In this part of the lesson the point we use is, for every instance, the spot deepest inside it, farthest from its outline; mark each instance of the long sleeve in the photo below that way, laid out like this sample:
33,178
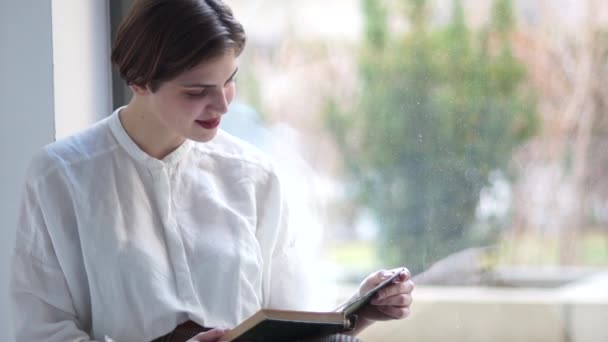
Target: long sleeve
288,285
111,241
42,305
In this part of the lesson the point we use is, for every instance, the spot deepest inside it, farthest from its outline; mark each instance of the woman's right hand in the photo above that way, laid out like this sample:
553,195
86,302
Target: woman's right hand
213,335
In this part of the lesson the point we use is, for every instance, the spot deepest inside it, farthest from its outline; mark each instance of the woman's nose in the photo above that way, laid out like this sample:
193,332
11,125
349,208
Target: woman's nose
221,102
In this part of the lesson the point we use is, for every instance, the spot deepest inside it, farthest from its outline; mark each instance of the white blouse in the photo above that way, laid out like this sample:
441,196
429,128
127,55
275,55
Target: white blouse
111,241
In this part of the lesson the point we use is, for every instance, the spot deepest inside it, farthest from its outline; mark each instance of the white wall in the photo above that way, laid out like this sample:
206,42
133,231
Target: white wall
82,74
26,114
45,92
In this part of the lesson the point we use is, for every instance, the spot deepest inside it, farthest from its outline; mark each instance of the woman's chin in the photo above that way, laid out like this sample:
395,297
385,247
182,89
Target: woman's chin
205,136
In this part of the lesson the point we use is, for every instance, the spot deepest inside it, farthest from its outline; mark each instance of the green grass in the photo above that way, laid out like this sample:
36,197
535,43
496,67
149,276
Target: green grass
594,249
591,249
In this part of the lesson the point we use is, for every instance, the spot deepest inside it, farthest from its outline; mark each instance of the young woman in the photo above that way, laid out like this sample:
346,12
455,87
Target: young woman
154,224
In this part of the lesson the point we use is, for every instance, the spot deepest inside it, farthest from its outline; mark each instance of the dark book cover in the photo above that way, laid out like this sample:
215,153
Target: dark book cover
269,325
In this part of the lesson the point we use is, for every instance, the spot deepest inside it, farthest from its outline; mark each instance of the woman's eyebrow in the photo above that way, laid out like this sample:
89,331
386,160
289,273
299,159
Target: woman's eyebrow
198,85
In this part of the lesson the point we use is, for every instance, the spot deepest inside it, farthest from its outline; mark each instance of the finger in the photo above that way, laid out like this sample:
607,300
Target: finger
381,275
374,279
378,277
213,335
395,289
403,271
402,300
404,275
394,312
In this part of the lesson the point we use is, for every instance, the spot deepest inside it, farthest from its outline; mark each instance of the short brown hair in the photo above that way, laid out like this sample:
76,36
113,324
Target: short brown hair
159,39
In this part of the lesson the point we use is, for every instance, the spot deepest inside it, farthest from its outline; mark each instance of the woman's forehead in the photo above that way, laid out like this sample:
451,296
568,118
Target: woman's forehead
217,68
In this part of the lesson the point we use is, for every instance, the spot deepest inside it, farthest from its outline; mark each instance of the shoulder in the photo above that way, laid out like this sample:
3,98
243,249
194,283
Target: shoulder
64,153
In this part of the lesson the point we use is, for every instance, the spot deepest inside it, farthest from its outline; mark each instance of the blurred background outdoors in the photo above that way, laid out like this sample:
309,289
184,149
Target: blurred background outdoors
420,129
464,139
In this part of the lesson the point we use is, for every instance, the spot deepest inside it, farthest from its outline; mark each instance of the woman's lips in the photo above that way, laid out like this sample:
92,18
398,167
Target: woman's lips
209,124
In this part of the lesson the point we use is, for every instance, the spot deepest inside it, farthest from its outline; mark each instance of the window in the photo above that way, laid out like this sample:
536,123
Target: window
463,139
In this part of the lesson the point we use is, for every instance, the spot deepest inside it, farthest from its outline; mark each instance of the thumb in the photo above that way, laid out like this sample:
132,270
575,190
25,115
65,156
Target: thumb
375,278
213,335
382,275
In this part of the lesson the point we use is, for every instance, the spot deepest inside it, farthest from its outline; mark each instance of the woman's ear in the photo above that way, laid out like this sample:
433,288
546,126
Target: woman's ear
139,90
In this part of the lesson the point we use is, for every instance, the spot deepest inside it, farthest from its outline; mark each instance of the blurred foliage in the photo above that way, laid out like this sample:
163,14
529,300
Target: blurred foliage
357,259
536,249
440,108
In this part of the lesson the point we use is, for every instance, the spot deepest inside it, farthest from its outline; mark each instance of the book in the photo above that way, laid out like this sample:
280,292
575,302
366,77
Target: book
272,325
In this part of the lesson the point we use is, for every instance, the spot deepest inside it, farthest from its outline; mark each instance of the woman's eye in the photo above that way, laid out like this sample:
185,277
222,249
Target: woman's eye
197,94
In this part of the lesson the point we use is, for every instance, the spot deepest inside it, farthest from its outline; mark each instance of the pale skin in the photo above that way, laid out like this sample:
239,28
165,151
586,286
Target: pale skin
190,106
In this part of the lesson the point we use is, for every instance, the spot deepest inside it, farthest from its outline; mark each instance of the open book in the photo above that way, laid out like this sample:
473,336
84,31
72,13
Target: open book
270,325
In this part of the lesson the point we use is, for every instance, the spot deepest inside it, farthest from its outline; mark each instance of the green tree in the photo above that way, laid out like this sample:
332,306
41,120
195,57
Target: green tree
440,108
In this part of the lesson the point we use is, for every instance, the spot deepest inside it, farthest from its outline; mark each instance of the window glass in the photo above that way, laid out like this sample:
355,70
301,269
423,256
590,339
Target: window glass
465,140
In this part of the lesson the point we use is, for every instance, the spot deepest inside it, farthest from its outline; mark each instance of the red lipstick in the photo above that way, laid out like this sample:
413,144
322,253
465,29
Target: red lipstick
209,124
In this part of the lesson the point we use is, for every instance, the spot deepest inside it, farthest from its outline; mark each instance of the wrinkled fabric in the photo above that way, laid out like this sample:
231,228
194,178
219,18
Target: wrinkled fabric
112,242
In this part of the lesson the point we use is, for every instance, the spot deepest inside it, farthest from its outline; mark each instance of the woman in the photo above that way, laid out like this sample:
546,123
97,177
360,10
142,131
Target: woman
153,223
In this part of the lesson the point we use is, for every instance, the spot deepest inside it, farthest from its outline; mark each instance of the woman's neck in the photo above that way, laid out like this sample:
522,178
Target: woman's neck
146,130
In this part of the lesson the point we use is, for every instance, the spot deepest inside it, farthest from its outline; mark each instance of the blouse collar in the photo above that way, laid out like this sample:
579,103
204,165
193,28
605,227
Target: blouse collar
137,153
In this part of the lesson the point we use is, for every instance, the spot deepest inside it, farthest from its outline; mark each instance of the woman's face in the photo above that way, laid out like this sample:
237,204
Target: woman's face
192,104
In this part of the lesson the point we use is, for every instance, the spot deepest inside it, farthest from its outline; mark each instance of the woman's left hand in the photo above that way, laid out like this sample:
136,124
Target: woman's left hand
392,302
214,335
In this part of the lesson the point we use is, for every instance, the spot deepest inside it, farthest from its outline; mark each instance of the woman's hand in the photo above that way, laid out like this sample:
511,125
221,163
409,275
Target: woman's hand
213,335
392,302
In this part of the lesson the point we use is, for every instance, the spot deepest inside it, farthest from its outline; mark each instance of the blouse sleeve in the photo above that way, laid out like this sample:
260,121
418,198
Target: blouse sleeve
42,306
286,279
